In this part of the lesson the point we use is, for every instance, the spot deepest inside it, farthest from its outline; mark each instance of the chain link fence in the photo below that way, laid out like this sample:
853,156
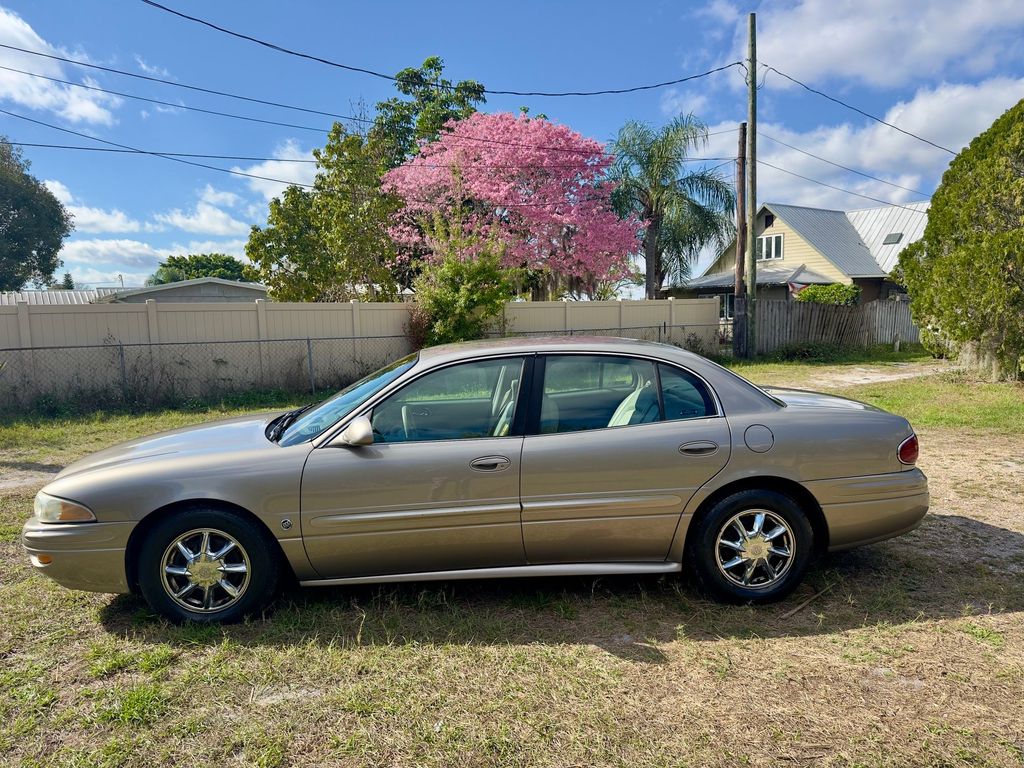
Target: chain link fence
148,374
174,372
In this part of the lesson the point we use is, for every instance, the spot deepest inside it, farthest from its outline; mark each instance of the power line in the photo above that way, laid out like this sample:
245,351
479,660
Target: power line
116,150
844,167
233,172
165,103
382,75
251,158
841,189
198,88
857,110
144,152
252,100
254,159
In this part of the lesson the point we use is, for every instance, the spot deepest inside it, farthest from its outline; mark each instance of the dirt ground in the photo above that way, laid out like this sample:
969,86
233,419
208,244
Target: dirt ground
851,375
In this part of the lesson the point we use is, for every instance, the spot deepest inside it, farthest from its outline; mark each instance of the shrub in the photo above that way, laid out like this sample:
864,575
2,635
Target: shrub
965,275
835,293
463,289
809,350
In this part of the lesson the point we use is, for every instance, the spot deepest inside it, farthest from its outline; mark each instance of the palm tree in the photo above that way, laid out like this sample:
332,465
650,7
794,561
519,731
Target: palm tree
684,210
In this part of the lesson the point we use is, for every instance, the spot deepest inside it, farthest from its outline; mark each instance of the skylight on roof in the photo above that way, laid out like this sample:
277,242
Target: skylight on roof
892,238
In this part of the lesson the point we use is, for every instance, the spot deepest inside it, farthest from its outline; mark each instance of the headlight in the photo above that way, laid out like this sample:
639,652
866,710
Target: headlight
50,509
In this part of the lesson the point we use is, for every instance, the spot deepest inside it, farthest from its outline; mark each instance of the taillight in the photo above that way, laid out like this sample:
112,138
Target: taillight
908,450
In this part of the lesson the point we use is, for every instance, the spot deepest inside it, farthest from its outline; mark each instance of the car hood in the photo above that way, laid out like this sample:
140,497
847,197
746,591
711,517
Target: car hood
801,398
215,437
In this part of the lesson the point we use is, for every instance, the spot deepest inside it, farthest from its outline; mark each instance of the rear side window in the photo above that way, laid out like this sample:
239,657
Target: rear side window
584,392
684,395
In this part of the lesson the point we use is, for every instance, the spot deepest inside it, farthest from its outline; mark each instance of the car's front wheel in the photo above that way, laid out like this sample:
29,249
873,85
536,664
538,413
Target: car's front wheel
752,546
207,565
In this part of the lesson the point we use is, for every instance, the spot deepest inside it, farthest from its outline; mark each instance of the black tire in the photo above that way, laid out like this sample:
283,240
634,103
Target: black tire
253,548
703,548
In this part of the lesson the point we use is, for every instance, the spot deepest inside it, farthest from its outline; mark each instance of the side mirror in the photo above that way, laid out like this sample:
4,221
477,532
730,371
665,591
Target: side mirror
358,432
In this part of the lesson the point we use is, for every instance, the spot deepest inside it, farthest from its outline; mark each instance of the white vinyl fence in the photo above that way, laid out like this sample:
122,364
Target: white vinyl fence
157,352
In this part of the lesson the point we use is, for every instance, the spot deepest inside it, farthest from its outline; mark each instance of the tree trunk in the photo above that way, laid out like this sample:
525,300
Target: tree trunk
651,238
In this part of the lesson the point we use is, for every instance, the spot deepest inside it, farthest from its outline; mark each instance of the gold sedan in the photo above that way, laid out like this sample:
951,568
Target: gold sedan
516,457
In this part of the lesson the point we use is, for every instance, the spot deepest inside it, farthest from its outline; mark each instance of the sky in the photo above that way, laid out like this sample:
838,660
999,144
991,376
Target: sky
944,70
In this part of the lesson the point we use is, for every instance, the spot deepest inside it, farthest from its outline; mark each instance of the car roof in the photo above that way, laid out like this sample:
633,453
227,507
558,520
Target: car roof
734,392
529,344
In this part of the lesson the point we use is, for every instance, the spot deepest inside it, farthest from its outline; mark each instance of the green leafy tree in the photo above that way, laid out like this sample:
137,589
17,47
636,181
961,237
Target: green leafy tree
684,209
289,254
68,283
330,243
174,269
464,289
966,275
33,225
432,101
834,293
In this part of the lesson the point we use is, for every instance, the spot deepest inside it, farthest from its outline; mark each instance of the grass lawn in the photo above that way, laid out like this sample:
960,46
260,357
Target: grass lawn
913,653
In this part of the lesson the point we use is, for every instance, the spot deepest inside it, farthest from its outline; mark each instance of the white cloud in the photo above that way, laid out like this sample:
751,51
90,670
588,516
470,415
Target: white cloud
151,69
89,219
205,219
110,252
219,196
99,261
235,247
881,42
73,104
59,190
678,102
286,172
98,220
949,114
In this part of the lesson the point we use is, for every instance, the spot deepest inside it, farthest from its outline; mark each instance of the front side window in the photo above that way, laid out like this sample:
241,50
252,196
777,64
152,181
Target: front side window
464,401
585,392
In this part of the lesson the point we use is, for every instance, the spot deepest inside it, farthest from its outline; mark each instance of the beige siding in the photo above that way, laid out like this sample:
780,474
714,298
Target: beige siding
795,251
726,262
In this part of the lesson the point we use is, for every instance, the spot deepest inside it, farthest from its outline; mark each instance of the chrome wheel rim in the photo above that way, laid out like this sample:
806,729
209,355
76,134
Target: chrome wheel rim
755,549
205,570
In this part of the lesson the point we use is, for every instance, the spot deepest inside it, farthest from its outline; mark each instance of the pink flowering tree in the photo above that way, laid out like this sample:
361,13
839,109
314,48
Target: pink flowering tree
537,187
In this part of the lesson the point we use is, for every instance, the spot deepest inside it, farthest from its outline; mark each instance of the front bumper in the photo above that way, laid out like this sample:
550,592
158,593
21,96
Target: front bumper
863,510
87,556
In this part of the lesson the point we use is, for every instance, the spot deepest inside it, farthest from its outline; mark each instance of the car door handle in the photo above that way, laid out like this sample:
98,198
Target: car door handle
490,463
698,448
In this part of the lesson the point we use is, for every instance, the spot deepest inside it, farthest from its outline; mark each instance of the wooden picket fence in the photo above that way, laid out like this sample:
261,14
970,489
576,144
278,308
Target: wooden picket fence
781,323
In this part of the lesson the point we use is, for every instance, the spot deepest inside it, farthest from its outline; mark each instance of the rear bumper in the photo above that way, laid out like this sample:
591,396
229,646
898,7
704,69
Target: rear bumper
863,510
87,556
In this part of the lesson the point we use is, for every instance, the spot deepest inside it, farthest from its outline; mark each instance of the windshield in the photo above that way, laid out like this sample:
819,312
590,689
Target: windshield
317,419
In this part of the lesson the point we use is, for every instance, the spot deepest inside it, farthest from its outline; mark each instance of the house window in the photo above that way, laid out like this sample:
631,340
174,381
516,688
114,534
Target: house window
726,303
892,238
769,247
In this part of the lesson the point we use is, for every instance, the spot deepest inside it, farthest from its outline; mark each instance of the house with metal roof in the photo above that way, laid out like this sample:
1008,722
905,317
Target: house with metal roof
202,289
798,246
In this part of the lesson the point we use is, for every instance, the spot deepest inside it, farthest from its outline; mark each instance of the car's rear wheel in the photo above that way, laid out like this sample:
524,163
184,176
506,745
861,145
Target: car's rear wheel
752,546
207,565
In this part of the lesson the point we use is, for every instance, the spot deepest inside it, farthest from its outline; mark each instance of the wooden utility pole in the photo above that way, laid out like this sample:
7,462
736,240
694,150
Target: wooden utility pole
752,187
739,309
